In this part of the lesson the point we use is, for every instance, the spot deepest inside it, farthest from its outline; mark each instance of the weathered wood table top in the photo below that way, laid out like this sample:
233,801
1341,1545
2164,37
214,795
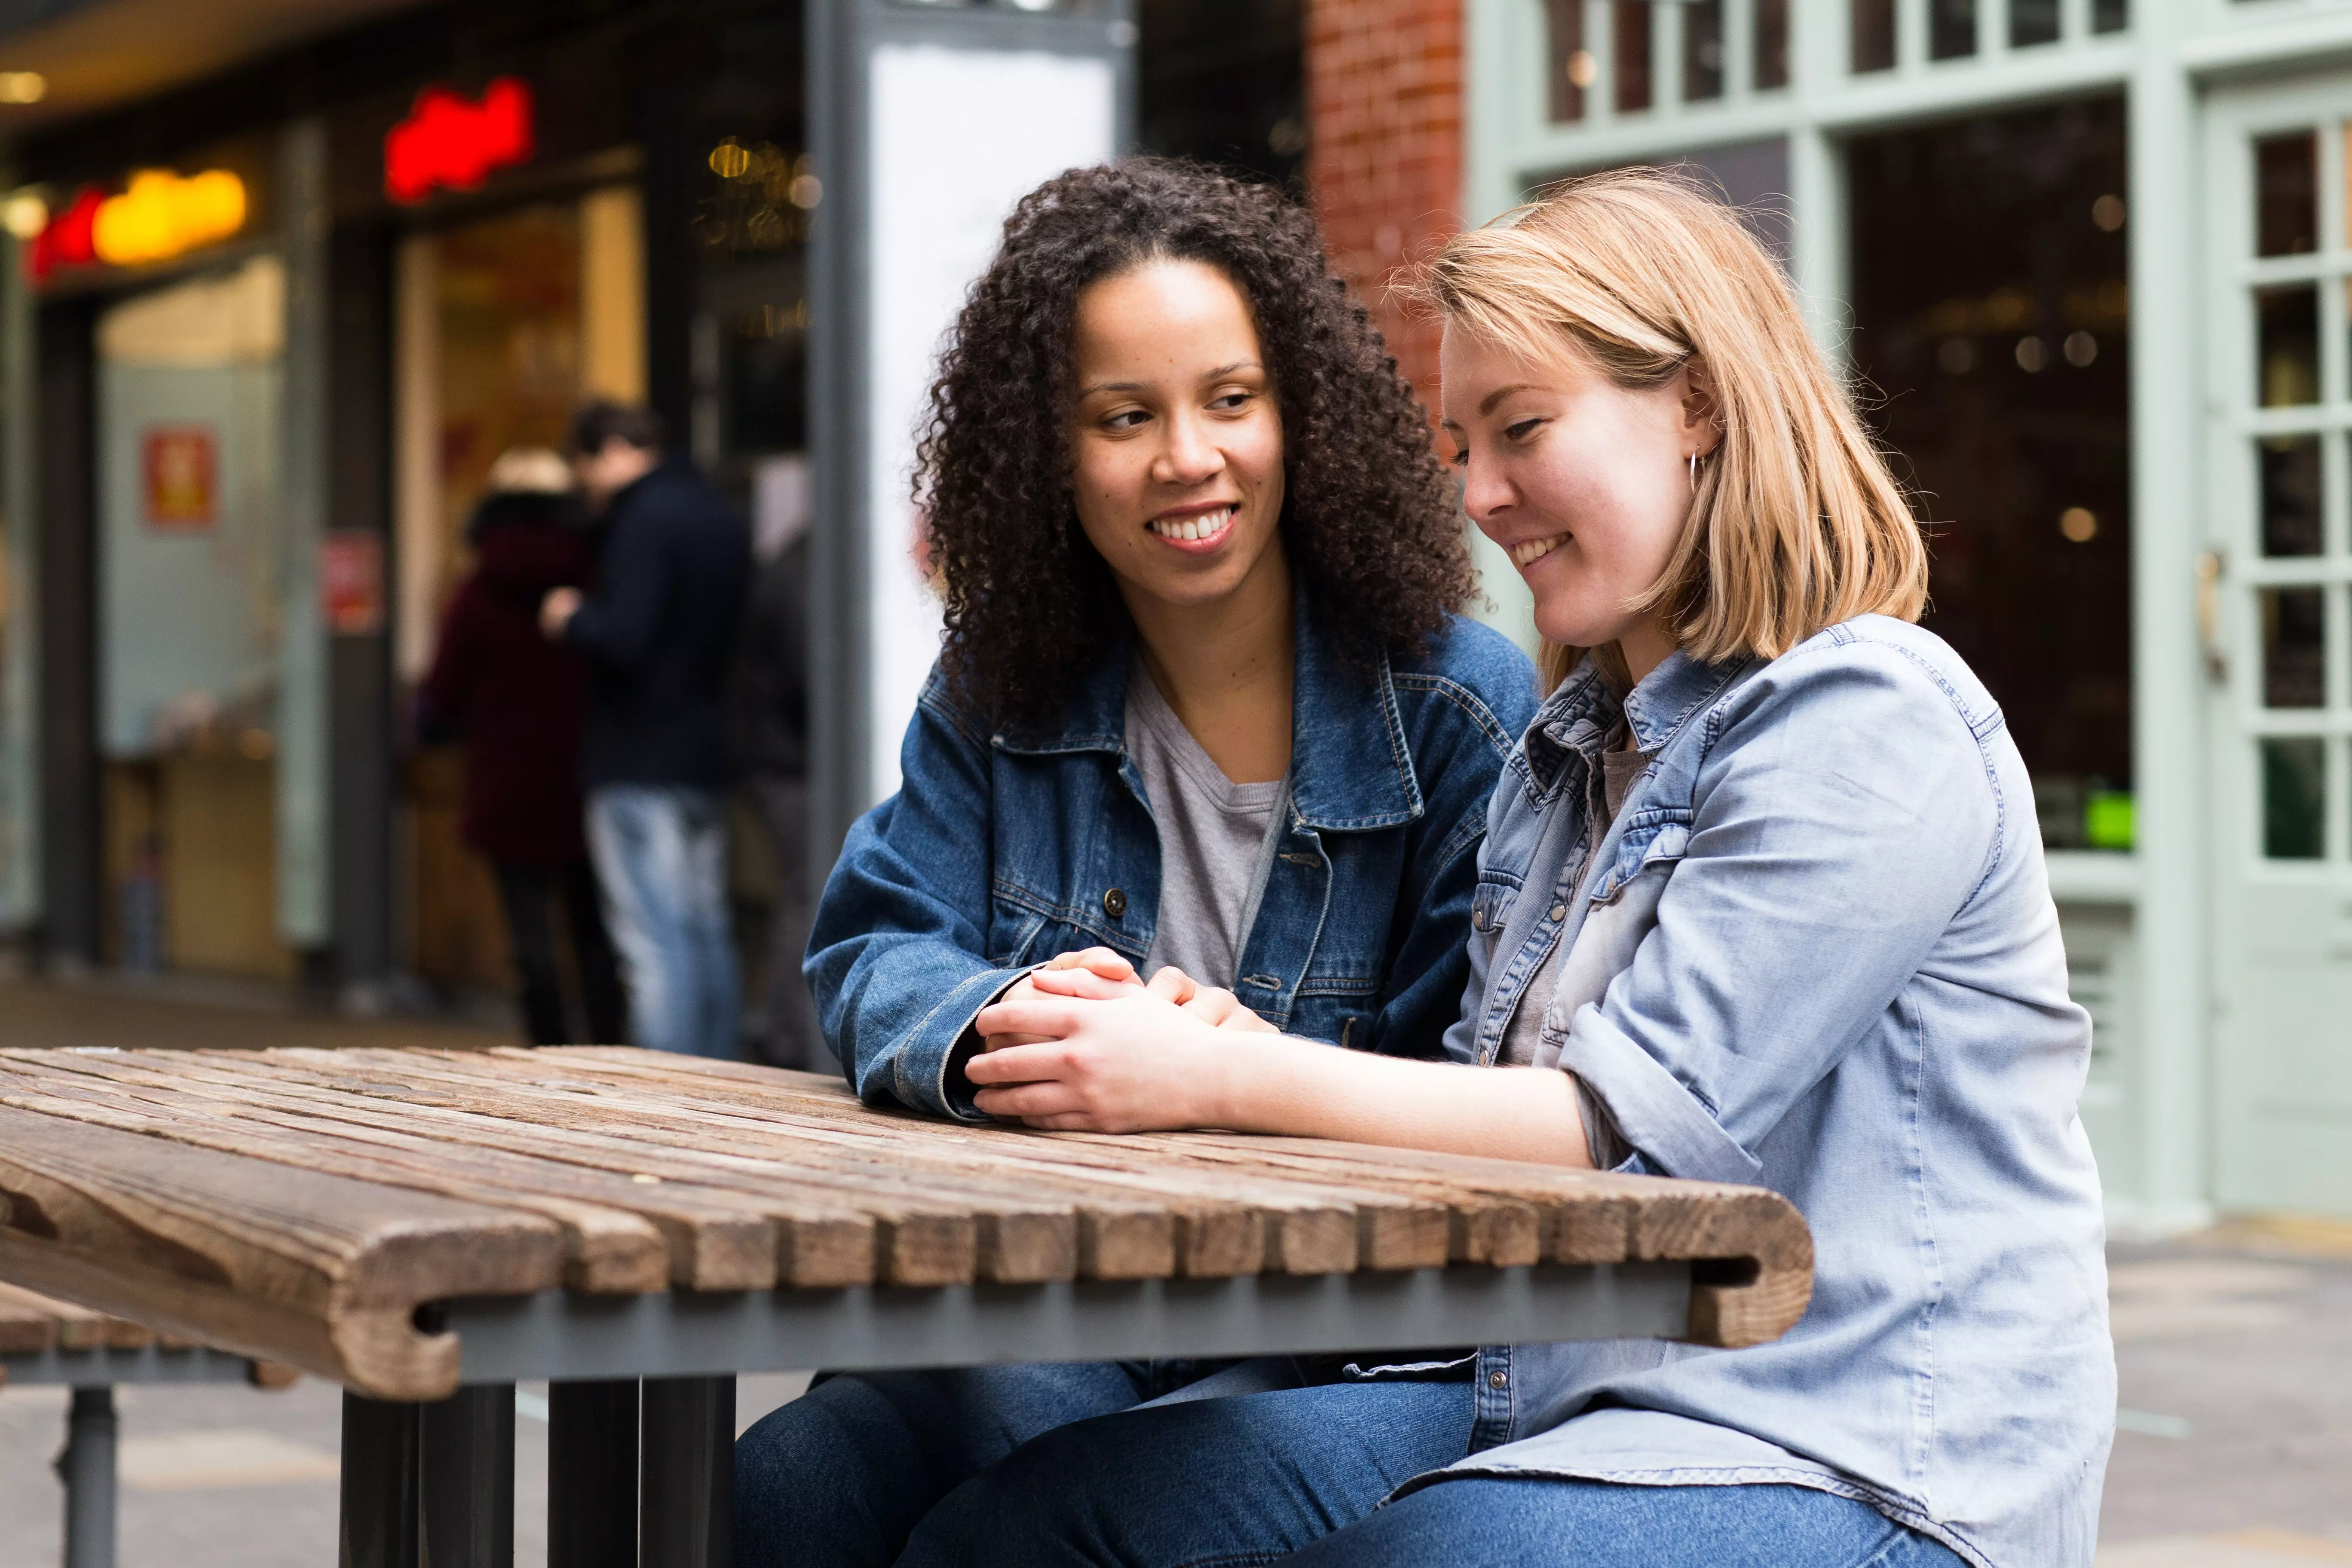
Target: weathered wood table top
303,1205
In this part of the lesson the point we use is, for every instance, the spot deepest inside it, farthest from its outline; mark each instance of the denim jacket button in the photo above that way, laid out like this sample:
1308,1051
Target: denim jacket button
1114,903
1498,1379
1558,912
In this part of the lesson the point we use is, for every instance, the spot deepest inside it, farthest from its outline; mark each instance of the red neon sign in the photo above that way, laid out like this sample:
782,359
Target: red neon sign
70,238
448,143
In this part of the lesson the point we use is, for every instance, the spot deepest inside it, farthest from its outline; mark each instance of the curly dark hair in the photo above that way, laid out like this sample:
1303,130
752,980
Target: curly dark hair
1368,518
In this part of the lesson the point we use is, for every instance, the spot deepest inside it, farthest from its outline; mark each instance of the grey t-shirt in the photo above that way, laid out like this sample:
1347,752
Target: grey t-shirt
1216,840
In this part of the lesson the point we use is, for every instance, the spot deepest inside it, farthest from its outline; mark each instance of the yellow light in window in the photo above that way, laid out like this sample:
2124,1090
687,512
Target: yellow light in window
731,160
163,215
23,87
1583,70
2080,524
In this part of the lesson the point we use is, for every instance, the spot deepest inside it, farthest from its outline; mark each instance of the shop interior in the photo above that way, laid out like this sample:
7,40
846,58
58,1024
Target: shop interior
1990,315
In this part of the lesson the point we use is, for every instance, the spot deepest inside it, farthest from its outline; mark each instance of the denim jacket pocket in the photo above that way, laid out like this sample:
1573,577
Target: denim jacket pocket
1490,906
1012,934
1651,847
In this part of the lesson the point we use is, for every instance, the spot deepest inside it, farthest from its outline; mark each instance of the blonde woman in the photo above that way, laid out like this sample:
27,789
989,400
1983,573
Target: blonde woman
1761,900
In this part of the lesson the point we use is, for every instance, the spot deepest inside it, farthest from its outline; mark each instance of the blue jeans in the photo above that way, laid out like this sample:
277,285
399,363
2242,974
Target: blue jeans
661,861
1017,1465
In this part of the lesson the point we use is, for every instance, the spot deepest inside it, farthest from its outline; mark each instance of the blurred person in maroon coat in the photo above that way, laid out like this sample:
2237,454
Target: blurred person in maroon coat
517,702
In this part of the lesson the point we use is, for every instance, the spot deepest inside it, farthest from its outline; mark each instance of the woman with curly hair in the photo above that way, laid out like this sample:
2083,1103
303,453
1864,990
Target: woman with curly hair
1205,703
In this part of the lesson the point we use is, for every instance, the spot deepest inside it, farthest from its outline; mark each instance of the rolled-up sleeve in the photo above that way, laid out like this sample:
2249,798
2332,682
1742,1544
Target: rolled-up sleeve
894,963
1845,814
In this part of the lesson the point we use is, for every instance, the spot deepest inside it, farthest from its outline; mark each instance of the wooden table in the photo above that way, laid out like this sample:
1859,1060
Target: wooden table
426,1227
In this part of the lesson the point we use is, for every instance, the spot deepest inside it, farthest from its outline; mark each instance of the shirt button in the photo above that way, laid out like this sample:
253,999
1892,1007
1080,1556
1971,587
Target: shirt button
1559,912
1114,903
1498,1379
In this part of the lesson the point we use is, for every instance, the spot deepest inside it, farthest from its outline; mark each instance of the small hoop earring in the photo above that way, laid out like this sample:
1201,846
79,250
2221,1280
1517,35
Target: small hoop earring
1694,473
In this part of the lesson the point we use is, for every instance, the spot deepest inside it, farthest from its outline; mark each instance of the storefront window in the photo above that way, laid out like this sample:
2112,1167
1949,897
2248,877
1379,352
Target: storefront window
1702,50
1993,323
2286,329
2289,467
2033,22
191,567
1630,57
505,325
1772,44
1951,28
1871,25
1571,68
2286,194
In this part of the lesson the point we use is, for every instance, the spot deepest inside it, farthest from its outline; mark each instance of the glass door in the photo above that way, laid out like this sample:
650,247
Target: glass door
2279,393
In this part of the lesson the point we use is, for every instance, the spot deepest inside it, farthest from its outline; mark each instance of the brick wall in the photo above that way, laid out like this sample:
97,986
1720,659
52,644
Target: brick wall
1384,81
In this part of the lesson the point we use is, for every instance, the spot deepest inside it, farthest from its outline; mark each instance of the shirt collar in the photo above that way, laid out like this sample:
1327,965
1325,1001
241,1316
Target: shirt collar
1577,719
1351,767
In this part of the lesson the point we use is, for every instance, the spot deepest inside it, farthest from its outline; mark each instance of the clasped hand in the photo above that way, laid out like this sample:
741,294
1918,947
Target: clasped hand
1084,1045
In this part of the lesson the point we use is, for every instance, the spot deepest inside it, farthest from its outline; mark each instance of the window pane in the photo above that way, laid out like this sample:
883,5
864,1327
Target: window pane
2287,334
1954,261
1873,35
2295,648
2291,515
1702,50
1772,44
1630,64
2286,194
1572,66
2110,15
2033,22
2295,798
1951,28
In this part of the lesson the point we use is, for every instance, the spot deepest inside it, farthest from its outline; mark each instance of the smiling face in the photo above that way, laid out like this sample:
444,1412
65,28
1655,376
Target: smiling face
1175,439
1585,484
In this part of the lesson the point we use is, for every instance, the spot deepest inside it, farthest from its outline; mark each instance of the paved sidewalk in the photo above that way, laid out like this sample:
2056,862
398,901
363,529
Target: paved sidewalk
2234,1350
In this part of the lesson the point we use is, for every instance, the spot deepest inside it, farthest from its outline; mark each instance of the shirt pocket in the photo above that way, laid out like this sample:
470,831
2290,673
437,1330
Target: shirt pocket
1012,934
1650,850
1490,907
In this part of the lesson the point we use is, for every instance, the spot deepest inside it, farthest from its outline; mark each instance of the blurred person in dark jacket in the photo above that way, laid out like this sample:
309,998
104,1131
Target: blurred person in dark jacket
517,702
658,635
771,712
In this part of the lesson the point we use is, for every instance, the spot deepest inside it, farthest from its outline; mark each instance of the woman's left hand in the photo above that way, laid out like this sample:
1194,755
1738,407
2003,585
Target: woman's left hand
1136,1062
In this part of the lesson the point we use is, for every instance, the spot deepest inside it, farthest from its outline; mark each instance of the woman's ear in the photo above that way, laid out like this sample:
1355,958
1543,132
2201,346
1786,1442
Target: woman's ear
1702,411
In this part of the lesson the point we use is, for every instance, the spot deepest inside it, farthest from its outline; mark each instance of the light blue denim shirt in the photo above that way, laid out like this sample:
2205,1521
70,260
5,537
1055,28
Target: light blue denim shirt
1818,954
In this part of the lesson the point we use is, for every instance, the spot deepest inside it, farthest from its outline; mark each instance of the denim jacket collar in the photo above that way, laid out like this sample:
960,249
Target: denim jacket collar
1576,720
1351,767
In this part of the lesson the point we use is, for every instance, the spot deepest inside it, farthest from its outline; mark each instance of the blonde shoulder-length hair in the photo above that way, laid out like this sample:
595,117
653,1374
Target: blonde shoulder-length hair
1795,523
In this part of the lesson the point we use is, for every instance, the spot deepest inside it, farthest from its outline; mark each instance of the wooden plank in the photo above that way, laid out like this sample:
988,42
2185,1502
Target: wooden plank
1401,1224
1315,1226
924,1240
317,1271
716,1245
68,1326
1765,1250
820,1244
1306,1228
1020,1235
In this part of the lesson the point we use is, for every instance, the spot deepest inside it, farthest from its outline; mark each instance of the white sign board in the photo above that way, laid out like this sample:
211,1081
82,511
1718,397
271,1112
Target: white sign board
958,137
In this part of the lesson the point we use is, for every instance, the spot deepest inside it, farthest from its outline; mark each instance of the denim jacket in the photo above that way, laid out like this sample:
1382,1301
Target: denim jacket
1820,956
1005,848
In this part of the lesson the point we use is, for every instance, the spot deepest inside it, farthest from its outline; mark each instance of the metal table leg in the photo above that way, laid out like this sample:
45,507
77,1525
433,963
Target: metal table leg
87,1468
380,1484
468,1485
686,1505
592,1474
